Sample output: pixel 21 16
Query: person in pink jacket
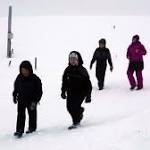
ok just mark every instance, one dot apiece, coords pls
pixel 135 53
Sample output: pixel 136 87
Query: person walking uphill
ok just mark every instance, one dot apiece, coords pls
pixel 135 54
pixel 76 86
pixel 27 93
pixel 101 56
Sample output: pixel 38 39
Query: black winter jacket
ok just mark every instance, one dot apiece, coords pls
pixel 27 89
pixel 76 82
pixel 101 55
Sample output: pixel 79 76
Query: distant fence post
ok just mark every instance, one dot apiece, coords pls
pixel 35 64
pixel 10 34
pixel 9 63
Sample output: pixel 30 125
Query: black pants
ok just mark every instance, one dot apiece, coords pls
pixel 75 109
pixel 21 117
pixel 100 75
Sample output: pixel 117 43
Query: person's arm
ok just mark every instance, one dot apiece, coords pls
pixel 64 85
pixel 128 53
pixel 110 60
pixel 143 50
pixel 88 86
pixel 93 60
pixel 16 89
pixel 89 91
pixel 39 90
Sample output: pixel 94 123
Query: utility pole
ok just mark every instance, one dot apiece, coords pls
pixel 10 34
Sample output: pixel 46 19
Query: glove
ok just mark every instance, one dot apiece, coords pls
pixel 63 96
pixel 88 99
pixel 33 105
pixel 111 69
pixel 14 100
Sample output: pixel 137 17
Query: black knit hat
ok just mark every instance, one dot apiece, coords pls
pixel 27 65
pixel 136 37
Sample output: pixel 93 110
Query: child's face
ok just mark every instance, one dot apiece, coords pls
pixel 25 72
pixel 134 40
pixel 73 61
pixel 101 45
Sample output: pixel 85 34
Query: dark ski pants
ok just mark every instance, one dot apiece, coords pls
pixel 21 117
pixel 75 110
pixel 100 75
pixel 132 80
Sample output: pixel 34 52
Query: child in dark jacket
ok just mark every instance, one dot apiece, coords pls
pixel 76 86
pixel 135 54
pixel 101 56
pixel 27 93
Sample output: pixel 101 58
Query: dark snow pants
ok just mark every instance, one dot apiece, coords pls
pixel 74 108
pixel 100 75
pixel 21 117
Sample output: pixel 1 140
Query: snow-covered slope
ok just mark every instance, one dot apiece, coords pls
pixel 117 119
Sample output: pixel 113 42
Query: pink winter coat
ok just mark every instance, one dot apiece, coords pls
pixel 136 51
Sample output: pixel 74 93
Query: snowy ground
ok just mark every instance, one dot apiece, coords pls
pixel 117 119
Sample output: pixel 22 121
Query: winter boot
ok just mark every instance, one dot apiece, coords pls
pixel 18 134
pixel 132 88
pixel 30 131
pixel 139 88
pixel 73 126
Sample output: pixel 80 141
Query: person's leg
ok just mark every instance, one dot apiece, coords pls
pixel 100 74
pixel 32 119
pixel 75 110
pixel 139 79
pixel 131 78
pixel 72 111
pixel 20 118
